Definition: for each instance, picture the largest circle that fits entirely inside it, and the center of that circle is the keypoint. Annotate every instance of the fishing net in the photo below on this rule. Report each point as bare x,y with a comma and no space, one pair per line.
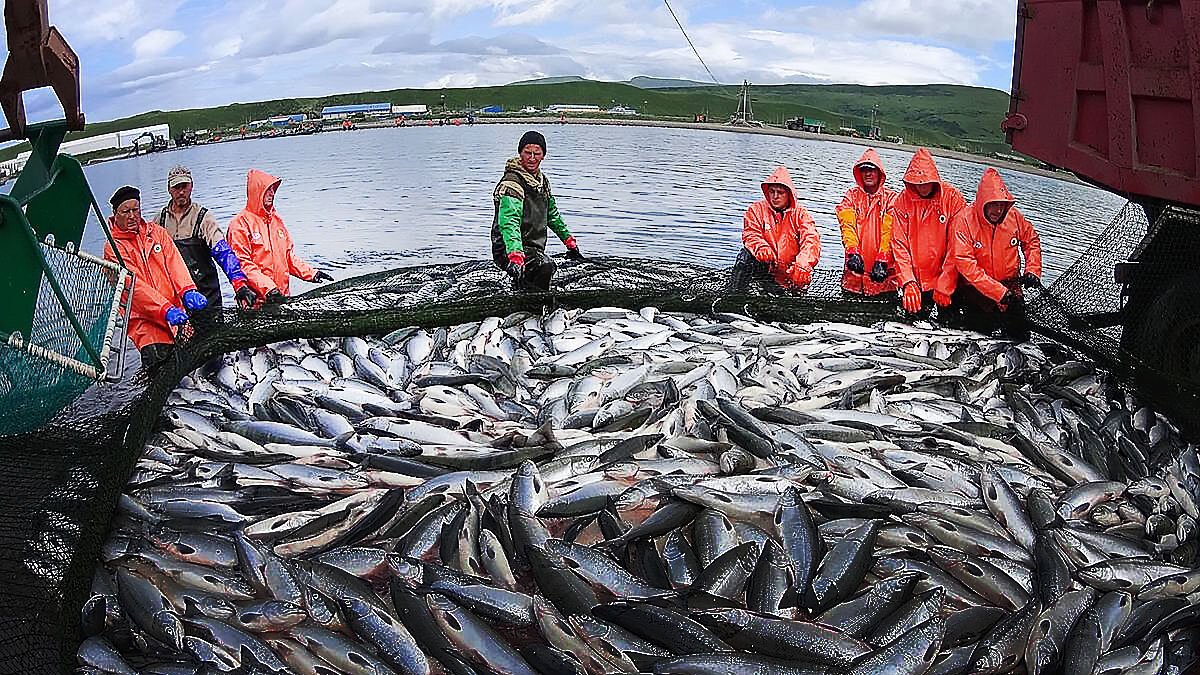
1130,303
45,371
63,482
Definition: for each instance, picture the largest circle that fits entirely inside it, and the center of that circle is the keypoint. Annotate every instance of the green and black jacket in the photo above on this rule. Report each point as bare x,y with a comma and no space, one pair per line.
524,208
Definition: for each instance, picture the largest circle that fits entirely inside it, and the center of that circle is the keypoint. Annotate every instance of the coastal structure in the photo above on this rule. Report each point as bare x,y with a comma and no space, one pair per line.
338,112
130,138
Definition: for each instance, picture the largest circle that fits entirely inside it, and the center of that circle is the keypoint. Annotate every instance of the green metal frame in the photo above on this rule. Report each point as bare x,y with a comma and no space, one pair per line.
50,200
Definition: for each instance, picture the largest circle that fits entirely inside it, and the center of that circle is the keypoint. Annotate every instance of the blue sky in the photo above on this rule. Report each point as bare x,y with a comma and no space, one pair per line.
141,55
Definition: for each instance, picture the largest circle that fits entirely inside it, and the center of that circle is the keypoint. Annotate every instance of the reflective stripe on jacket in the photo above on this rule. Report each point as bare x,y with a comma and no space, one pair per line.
791,234
866,225
262,243
920,228
986,255
160,279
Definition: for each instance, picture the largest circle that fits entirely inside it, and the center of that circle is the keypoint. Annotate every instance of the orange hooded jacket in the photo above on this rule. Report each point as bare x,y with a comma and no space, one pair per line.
866,224
262,243
160,279
791,234
985,254
920,228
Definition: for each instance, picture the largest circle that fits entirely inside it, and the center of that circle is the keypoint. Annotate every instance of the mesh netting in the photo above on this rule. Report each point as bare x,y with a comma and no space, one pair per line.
1130,303
33,389
63,482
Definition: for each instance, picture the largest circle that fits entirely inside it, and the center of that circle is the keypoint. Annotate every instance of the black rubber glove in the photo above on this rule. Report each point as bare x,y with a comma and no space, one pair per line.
1030,280
515,270
274,297
879,272
321,276
574,254
854,263
1011,299
246,297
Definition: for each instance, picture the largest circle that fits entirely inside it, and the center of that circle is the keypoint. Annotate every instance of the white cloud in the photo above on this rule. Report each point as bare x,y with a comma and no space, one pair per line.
91,21
974,24
156,43
247,50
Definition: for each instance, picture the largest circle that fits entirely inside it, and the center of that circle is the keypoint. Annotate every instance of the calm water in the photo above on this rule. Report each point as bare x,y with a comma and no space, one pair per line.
383,198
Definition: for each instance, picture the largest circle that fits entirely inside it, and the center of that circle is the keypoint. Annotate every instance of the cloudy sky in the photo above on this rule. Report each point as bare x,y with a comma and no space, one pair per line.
141,55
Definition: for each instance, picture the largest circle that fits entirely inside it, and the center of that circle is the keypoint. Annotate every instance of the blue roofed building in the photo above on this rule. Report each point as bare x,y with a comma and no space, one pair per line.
337,112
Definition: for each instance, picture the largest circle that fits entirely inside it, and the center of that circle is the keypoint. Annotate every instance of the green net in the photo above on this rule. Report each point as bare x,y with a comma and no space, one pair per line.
48,369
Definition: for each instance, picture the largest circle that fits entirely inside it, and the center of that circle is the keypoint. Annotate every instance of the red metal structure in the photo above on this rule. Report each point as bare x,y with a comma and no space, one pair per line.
38,56
1110,89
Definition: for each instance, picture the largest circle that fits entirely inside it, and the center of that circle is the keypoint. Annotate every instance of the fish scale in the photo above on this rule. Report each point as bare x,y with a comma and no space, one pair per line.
667,474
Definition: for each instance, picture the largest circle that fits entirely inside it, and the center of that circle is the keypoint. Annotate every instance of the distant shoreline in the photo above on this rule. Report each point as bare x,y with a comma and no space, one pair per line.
676,124
776,131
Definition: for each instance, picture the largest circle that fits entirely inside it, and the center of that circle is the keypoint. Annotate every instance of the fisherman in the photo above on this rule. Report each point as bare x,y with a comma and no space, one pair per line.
164,292
524,208
259,238
780,238
200,241
989,239
921,218
866,224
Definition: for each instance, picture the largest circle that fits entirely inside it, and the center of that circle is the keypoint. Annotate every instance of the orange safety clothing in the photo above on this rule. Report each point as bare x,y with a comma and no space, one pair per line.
985,254
866,224
160,279
920,228
784,239
261,241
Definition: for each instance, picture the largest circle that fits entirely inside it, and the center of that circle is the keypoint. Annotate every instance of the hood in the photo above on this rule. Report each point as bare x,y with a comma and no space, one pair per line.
991,189
780,176
535,182
922,170
257,183
870,157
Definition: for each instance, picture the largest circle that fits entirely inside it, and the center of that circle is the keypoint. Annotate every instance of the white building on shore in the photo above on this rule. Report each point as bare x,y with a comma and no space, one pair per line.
82,146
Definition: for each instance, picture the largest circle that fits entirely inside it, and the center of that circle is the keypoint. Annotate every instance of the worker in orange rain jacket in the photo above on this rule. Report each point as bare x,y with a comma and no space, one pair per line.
921,218
163,288
780,237
989,239
262,243
866,223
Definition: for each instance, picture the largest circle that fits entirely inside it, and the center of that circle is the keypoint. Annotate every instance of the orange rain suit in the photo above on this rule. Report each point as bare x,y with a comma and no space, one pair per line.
866,224
920,228
262,243
987,255
787,241
160,279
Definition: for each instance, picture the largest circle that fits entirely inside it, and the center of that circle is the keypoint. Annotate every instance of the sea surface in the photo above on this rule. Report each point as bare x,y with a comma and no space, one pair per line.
375,199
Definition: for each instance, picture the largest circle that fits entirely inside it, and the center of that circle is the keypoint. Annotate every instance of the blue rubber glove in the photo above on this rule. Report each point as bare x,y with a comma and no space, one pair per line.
176,316
194,301
228,261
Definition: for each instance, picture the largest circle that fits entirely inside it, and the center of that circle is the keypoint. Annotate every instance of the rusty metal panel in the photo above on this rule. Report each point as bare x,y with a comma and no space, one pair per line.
1110,89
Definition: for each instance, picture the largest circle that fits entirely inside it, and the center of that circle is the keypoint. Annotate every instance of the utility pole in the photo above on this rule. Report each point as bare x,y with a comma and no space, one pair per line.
744,117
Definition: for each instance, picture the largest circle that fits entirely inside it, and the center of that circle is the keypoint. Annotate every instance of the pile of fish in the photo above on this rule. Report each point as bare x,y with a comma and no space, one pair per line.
608,491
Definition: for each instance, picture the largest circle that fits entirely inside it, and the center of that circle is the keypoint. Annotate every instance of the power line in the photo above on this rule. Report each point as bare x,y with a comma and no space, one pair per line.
691,44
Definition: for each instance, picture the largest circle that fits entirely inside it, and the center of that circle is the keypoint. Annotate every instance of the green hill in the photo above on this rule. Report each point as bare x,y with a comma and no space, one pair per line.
949,116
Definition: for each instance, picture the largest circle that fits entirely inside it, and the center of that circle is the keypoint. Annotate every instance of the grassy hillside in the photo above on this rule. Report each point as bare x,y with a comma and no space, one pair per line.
942,115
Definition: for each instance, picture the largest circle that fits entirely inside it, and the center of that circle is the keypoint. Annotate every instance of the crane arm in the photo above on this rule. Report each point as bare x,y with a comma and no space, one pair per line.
38,56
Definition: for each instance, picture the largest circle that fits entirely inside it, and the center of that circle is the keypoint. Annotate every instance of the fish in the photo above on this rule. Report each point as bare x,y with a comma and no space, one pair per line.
607,490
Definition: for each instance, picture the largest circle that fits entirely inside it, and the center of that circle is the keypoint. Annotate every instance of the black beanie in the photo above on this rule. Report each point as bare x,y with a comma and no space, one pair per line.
532,137
124,194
